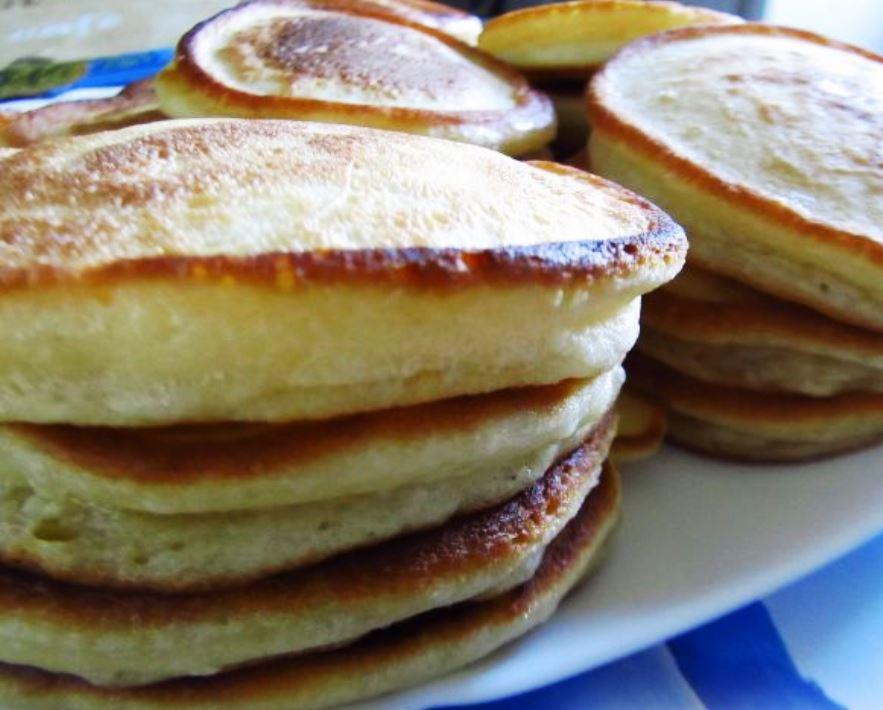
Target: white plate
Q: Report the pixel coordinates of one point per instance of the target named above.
(698, 538)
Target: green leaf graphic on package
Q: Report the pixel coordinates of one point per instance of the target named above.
(29, 76)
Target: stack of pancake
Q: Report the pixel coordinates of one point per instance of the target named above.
(288, 419)
(558, 46)
(765, 144)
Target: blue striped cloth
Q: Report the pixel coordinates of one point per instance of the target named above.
(816, 645)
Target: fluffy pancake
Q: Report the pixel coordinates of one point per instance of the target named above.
(136, 103)
(741, 424)
(764, 143)
(404, 655)
(122, 638)
(717, 330)
(640, 429)
(223, 270)
(329, 60)
(192, 469)
(572, 39)
(70, 539)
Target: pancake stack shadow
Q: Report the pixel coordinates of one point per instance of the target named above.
(265, 448)
(764, 142)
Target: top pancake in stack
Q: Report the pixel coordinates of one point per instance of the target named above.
(224, 270)
(762, 141)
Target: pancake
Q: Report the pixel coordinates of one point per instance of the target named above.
(223, 270)
(199, 469)
(77, 541)
(641, 427)
(569, 40)
(330, 60)
(404, 655)
(760, 141)
(136, 103)
(120, 638)
(721, 331)
(741, 424)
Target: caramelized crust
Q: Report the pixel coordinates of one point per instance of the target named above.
(166, 201)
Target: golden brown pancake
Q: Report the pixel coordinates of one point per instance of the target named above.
(740, 424)
(221, 270)
(401, 656)
(351, 62)
(135, 104)
(121, 638)
(720, 331)
(569, 40)
(73, 539)
(641, 427)
(760, 141)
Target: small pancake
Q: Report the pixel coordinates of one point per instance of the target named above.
(120, 638)
(741, 424)
(717, 330)
(404, 655)
(350, 61)
(569, 40)
(641, 427)
(764, 142)
(135, 104)
(71, 540)
(224, 270)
